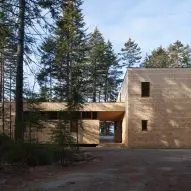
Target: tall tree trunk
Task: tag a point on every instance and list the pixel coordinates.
(94, 85)
(19, 128)
(1, 79)
(69, 78)
(106, 89)
(10, 102)
(99, 95)
(94, 92)
(1, 54)
(3, 94)
(50, 90)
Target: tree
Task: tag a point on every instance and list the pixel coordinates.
(180, 55)
(111, 75)
(63, 56)
(130, 54)
(158, 59)
(176, 55)
(64, 61)
(7, 61)
(46, 75)
(26, 17)
(103, 69)
(96, 66)
(19, 130)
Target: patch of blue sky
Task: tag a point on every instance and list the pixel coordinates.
(150, 23)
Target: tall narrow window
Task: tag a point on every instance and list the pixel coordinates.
(144, 125)
(145, 89)
(73, 126)
(94, 115)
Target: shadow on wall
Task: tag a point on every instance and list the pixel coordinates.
(168, 110)
(89, 136)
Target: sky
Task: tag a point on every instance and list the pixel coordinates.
(150, 23)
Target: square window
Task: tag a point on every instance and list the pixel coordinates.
(86, 115)
(53, 115)
(145, 89)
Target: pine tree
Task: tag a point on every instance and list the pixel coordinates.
(19, 130)
(48, 71)
(130, 54)
(111, 75)
(7, 65)
(159, 58)
(180, 55)
(64, 57)
(103, 69)
(5, 41)
(25, 18)
(96, 65)
(175, 55)
(65, 61)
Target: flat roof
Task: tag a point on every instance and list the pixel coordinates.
(61, 106)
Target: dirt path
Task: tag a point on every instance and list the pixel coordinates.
(123, 169)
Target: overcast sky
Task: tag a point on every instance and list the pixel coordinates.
(150, 23)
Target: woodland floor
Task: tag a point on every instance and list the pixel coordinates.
(112, 169)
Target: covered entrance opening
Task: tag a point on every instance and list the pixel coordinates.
(106, 132)
(110, 132)
(110, 126)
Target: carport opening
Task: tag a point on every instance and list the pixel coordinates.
(110, 132)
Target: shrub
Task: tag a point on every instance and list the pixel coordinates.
(33, 154)
(39, 155)
(28, 154)
(66, 149)
(4, 139)
(61, 135)
(14, 154)
(5, 144)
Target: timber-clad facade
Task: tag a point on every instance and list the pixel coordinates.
(153, 110)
